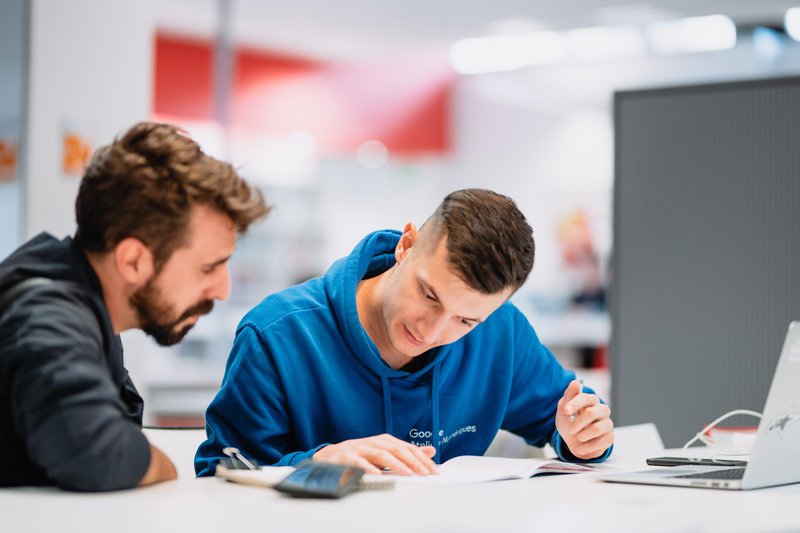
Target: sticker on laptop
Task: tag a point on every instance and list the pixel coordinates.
(778, 424)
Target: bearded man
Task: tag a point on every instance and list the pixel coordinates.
(157, 221)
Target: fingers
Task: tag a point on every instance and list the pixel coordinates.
(588, 416)
(591, 424)
(584, 422)
(399, 461)
(592, 433)
(362, 463)
(412, 457)
(429, 451)
(573, 404)
(381, 452)
(593, 448)
(572, 390)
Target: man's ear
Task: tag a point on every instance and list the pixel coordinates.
(134, 261)
(406, 242)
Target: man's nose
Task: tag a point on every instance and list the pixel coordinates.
(220, 288)
(432, 328)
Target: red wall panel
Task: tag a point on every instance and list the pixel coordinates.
(183, 78)
(404, 103)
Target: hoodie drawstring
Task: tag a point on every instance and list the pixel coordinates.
(387, 406)
(435, 400)
(387, 409)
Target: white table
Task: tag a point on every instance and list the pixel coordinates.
(554, 503)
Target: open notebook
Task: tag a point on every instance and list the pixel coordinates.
(468, 469)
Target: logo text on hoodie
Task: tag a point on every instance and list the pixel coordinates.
(421, 437)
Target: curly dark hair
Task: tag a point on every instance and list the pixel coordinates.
(145, 184)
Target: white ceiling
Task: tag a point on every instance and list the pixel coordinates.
(363, 29)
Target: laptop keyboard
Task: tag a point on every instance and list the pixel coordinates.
(729, 473)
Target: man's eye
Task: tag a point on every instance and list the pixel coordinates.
(467, 323)
(430, 297)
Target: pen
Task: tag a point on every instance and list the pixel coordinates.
(573, 415)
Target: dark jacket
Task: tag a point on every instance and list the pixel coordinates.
(69, 413)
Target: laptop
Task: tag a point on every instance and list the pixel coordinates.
(774, 457)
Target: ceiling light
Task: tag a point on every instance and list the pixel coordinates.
(507, 52)
(694, 34)
(606, 42)
(792, 23)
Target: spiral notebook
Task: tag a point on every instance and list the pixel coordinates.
(269, 476)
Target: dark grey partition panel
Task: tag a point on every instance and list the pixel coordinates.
(706, 249)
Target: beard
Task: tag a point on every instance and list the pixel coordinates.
(156, 316)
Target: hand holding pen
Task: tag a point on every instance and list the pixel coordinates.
(583, 422)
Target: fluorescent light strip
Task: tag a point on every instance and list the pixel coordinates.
(507, 52)
(511, 52)
(694, 34)
(606, 42)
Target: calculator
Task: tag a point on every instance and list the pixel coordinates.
(314, 479)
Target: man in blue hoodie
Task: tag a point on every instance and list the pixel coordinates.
(404, 354)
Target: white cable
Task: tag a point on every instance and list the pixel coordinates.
(701, 435)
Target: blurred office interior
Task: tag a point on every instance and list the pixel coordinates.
(359, 115)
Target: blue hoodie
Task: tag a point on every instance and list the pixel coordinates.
(303, 373)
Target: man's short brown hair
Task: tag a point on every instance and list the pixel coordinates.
(145, 184)
(488, 239)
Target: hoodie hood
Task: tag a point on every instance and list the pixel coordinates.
(47, 257)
